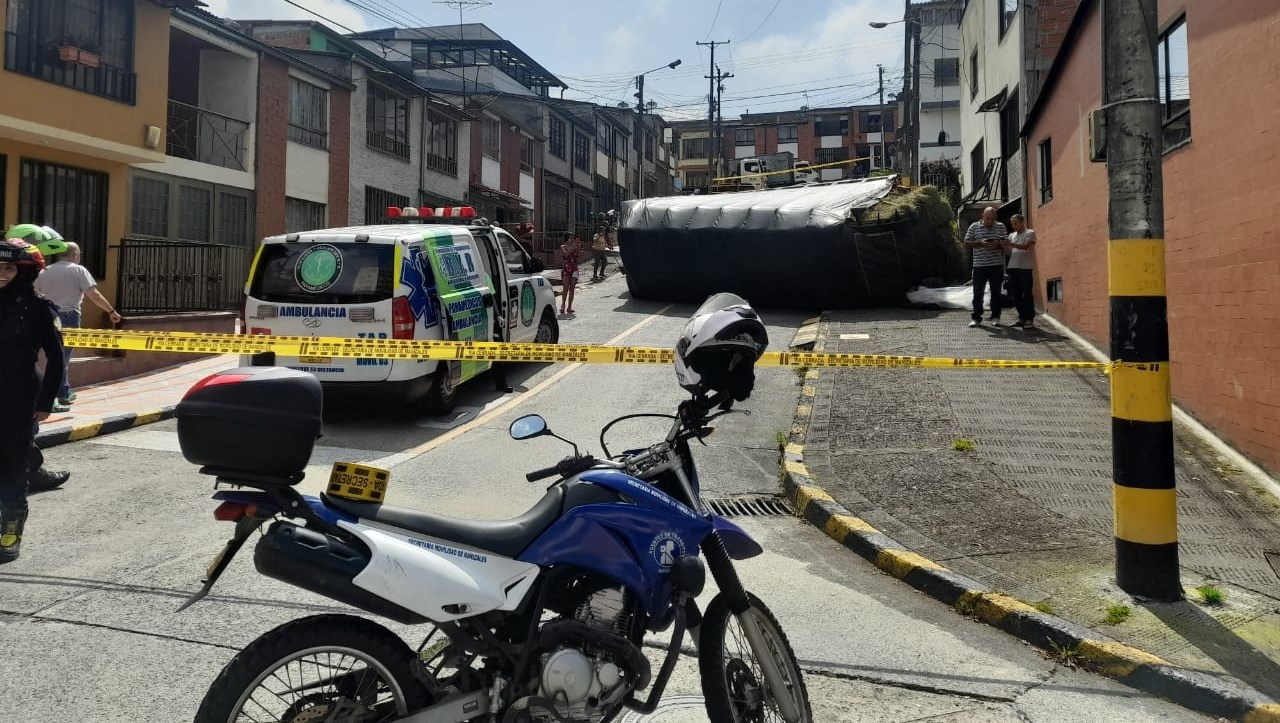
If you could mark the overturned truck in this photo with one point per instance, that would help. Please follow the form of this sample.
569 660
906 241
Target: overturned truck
844 244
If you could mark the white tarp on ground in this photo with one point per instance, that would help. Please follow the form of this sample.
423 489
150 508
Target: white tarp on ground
949 297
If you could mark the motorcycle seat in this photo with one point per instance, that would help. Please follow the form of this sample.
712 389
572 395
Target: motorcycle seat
502 537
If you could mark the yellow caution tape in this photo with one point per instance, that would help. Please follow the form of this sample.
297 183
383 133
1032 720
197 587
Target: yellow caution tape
342 348
358 482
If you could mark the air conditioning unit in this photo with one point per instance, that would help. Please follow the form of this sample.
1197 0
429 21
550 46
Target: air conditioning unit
1098 135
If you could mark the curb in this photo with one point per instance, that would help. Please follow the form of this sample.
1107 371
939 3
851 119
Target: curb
62 434
1191 689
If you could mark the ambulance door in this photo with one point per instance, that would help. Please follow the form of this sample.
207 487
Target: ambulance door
465 294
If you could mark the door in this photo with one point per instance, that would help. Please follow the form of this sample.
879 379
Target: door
521 298
465 293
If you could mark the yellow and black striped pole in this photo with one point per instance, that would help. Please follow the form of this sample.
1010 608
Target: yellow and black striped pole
1146 508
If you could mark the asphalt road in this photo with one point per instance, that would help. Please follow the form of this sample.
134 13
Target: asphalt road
87 623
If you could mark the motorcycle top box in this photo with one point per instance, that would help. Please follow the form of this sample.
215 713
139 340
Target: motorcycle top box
252 423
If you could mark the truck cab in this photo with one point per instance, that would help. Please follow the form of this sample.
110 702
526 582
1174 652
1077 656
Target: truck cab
425 274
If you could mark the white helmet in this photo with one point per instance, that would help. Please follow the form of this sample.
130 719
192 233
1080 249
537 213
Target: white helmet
719 347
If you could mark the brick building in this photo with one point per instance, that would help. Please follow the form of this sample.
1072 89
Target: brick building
866 133
1221 175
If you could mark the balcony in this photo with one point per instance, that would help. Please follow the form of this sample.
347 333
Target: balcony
201 135
39 59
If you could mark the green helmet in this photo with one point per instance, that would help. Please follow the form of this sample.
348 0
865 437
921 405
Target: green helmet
49 242
54 244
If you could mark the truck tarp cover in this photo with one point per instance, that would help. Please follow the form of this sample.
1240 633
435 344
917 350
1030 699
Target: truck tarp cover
792 247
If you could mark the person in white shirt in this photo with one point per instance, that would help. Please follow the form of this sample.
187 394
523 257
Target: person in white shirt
66 283
1022 244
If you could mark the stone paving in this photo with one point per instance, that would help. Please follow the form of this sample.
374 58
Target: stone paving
1028 509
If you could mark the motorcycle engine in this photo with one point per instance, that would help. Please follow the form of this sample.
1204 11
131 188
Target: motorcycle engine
593 669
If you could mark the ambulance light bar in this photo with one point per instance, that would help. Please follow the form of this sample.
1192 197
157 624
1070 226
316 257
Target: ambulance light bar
409 214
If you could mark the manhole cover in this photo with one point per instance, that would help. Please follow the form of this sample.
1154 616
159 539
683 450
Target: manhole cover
748 506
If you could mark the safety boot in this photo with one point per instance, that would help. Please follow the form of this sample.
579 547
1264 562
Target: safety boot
11 536
43 480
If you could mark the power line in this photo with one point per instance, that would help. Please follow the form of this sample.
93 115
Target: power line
714 18
767 15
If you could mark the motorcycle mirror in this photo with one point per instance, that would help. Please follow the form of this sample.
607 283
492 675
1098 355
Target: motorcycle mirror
528 427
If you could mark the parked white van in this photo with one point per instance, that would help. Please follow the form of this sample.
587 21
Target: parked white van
427 274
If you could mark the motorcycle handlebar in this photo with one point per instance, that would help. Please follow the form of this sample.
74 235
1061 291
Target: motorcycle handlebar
565 467
543 473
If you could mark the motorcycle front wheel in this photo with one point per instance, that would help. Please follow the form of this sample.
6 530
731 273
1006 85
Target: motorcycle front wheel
733 681
320 668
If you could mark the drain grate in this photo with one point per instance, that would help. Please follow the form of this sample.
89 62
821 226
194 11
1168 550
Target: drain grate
749 506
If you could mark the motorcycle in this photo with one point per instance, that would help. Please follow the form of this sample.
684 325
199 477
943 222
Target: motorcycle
534 619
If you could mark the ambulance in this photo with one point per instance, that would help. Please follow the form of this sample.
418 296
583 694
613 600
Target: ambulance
427 274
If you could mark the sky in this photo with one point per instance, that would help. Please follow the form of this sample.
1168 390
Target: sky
784 54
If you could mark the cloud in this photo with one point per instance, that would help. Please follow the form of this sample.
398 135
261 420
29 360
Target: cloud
336 11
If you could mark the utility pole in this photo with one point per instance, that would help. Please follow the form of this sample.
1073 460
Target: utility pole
711 104
720 78
640 137
880 68
1145 498
914 24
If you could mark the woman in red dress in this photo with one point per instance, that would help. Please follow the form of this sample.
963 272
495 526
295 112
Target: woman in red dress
570 257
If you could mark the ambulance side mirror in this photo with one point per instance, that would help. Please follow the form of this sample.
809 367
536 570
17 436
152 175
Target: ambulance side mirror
534 266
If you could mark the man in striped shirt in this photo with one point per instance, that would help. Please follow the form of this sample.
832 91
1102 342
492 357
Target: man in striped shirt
987 238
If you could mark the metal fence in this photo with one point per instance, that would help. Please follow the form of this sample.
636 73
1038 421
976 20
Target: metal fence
201 135
38 59
168 276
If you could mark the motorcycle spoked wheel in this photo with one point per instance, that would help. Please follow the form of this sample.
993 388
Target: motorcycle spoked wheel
336 668
732 680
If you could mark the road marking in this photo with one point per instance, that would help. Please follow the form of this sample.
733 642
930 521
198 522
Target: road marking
547 383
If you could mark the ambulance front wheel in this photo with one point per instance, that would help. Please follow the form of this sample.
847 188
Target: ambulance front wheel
548 328
443 395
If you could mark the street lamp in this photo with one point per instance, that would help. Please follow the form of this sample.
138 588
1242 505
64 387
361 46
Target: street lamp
640 132
913 96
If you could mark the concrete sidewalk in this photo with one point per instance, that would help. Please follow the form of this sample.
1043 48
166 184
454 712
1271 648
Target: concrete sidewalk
1005 477
129 402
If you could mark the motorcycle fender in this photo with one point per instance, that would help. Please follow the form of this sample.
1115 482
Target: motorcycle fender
438 579
740 545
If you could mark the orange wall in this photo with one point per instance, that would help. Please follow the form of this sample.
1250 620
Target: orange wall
1222 252
73 110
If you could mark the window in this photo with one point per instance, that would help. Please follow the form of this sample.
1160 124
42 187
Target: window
1044 164
308 114
619 145
649 141
830 155
604 138
232 227
973 75
694 148
82 44
529 155
1175 85
744 137
512 252
491 142
387 122
831 126
442 144
302 215
946 71
1008 8
555 138
581 211
977 158
377 201
1053 289
581 152
150 212
72 200
195 213
557 205
871 122
786 134
696 179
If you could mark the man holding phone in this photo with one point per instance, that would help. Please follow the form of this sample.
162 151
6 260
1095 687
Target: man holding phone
986 238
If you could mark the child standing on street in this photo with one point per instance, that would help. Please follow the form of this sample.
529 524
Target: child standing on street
570 257
28 325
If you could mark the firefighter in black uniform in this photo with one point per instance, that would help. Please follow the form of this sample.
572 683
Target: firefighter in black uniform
28 324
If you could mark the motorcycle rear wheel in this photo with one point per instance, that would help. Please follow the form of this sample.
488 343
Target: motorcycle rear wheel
732 681
312 668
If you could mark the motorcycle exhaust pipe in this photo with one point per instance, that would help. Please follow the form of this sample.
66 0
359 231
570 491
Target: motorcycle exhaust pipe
325 565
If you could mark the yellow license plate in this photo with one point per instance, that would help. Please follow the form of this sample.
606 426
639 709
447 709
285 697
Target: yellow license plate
358 482
316 359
